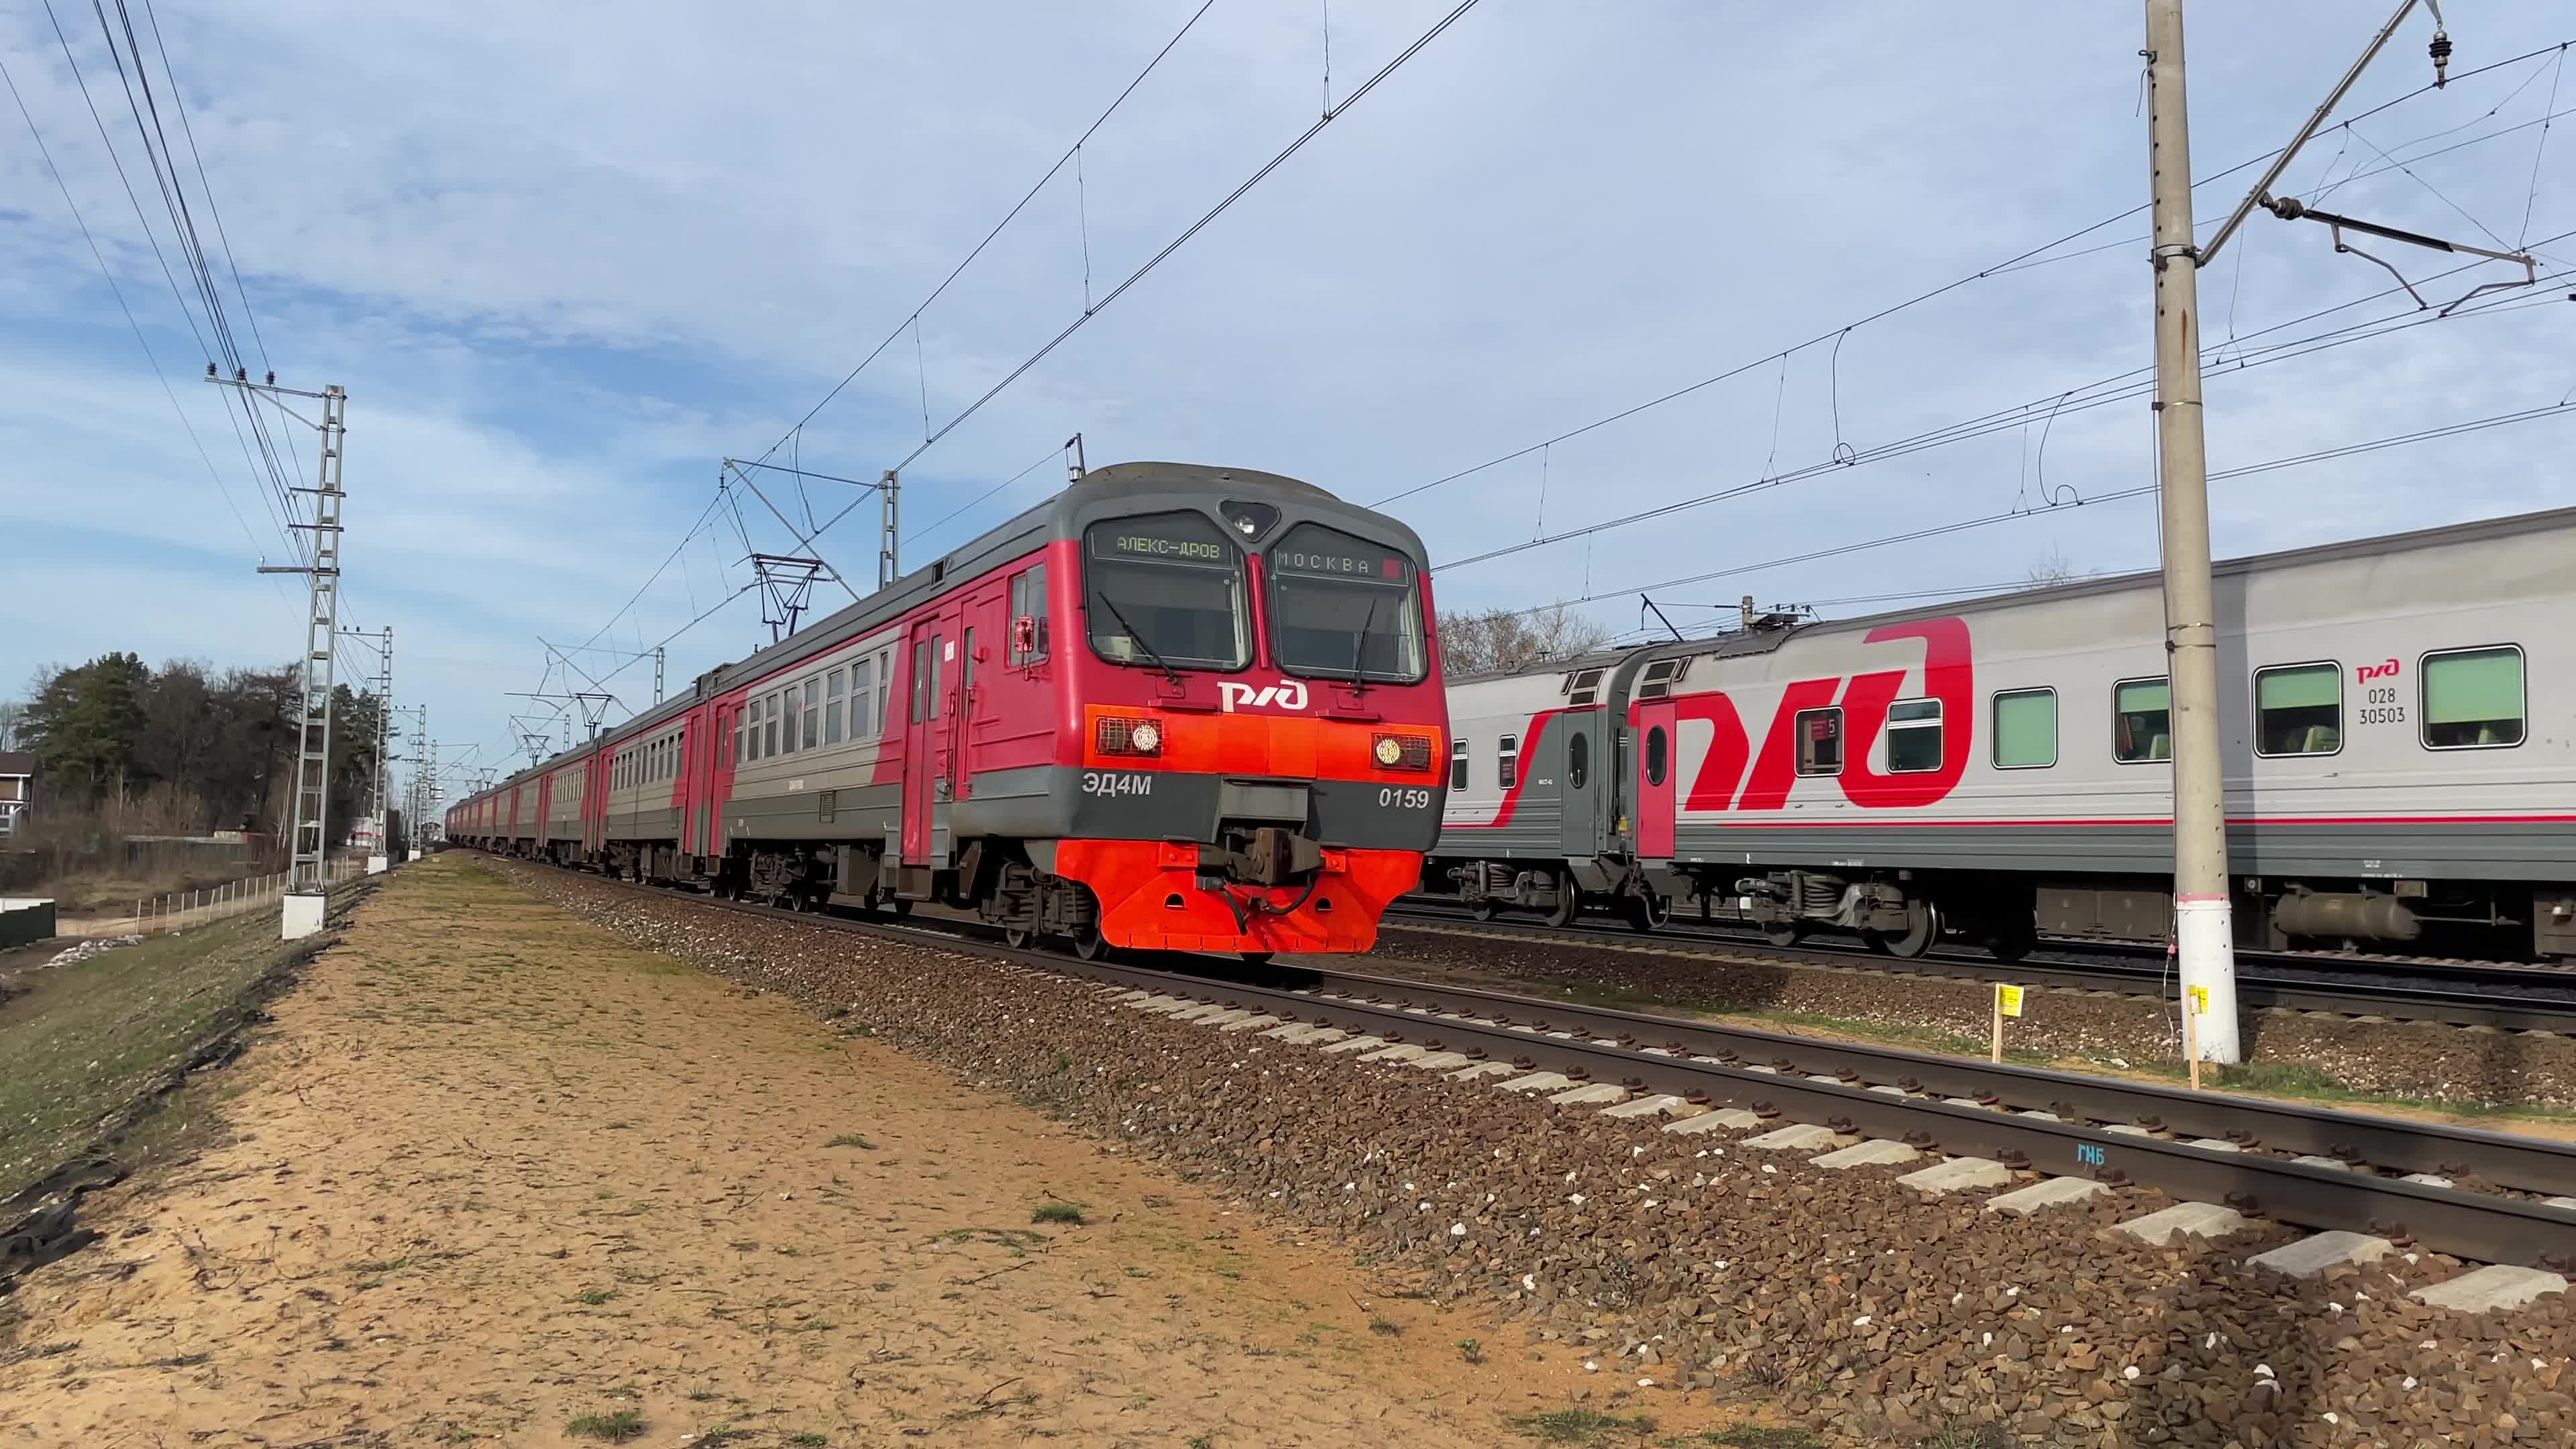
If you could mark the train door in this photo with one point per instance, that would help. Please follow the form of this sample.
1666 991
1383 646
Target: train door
1653 785
929 737
711 759
1580 763
983 636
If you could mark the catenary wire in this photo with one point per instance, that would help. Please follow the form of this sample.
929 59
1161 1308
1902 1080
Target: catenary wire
1834 333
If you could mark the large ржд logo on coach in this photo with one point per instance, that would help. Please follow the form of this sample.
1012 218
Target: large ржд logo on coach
1734 775
1291 695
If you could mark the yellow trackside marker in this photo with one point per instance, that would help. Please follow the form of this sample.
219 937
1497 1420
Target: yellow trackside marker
2007 1003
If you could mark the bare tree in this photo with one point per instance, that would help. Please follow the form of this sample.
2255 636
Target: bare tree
1502 639
2053 567
12 713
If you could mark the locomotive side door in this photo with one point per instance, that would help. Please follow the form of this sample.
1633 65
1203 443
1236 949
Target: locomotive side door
930 735
1657 734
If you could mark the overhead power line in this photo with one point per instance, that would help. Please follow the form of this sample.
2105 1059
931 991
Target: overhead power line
1836 334
2118 387
1448 19
1941 530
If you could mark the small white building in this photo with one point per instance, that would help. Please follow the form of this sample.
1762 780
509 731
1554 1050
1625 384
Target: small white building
17 788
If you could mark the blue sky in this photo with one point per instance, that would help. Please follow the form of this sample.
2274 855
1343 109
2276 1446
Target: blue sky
565 258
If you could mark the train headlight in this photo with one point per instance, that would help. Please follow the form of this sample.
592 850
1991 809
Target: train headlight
1402 752
1119 735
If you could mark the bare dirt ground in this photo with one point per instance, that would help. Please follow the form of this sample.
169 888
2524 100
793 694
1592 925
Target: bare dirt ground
493 1175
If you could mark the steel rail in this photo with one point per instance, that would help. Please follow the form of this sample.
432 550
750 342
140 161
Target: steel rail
2359 998
2479 1226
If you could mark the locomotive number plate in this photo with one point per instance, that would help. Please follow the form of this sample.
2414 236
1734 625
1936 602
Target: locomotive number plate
1405 798
1116 782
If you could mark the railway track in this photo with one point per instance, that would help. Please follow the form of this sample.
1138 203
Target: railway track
2506 998
2366 1184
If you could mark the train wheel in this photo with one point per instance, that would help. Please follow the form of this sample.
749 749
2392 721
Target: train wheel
1017 937
1922 931
1089 944
1785 933
1256 958
902 908
1568 900
1648 913
1482 910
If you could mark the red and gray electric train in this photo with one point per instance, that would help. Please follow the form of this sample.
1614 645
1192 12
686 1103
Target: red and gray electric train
1173 706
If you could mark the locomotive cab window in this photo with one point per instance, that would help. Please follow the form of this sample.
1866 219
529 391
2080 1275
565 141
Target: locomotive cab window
2142 721
2025 732
2472 699
1458 765
1165 590
1820 741
1913 736
2298 710
1344 607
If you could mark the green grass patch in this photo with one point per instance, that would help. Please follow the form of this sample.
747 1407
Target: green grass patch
852 1139
1582 1426
594 1296
1057 1212
86 1042
616 1426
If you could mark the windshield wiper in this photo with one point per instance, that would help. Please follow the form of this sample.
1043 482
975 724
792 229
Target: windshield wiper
1359 649
1136 636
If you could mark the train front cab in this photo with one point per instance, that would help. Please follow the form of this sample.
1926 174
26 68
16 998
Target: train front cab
1251 729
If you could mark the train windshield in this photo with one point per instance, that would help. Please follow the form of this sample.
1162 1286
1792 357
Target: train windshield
1344 607
1166 589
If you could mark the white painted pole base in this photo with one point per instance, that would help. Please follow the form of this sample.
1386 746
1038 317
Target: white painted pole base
303 916
376 865
2205 945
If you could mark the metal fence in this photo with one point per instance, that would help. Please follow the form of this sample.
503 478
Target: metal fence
178 910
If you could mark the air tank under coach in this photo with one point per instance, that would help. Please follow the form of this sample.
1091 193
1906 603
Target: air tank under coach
1173 706
2397 718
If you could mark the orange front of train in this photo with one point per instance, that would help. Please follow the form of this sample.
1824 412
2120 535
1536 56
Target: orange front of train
1253 733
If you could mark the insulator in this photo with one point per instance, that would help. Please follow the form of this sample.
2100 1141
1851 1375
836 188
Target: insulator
2440 50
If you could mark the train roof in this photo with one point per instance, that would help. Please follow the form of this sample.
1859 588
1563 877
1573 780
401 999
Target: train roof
1765 638
1105 490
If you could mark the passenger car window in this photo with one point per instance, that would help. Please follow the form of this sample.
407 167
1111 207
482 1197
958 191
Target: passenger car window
813 702
862 701
1913 736
833 687
2025 729
2298 710
1578 759
2473 698
1658 750
1458 765
1507 761
1820 741
2142 721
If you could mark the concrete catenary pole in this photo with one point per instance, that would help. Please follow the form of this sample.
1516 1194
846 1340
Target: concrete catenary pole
2204 931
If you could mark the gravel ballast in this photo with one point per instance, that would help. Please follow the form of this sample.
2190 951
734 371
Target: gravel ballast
2469 1065
1689 1260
